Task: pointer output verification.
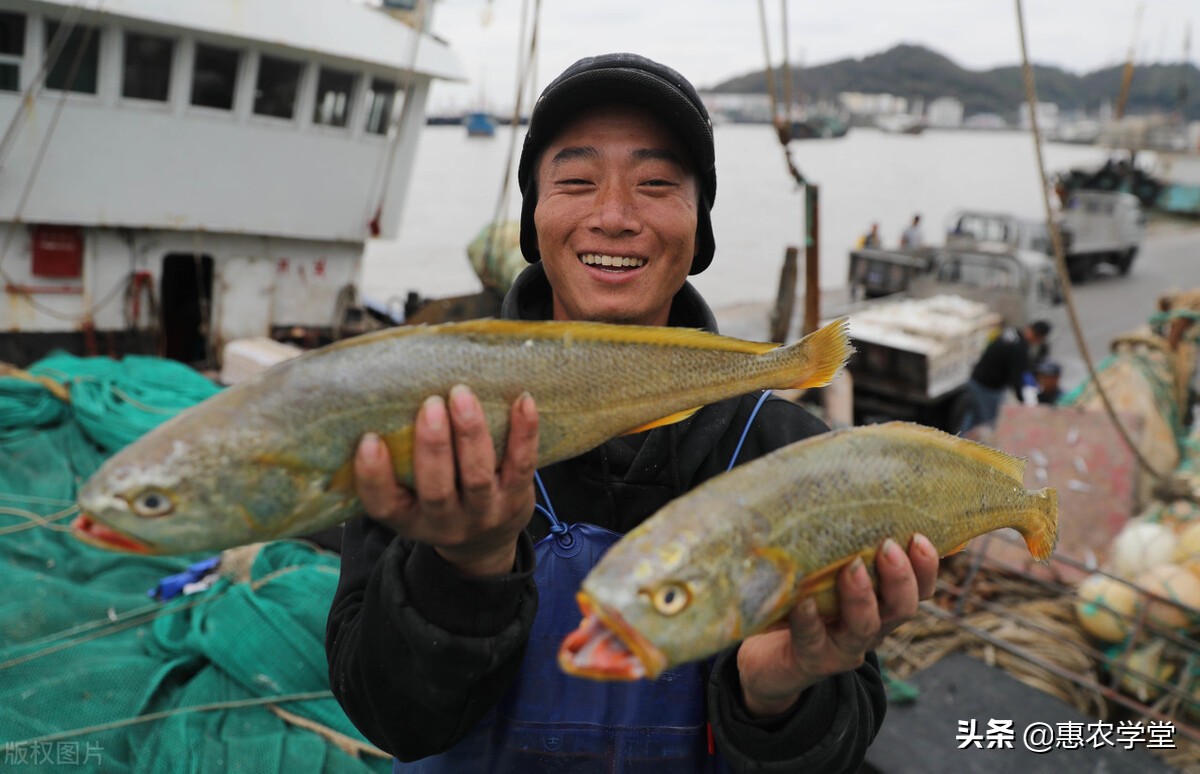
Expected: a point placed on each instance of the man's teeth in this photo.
(595, 259)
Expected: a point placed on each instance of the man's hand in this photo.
(463, 505)
(777, 666)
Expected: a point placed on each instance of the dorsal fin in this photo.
(568, 332)
(1013, 467)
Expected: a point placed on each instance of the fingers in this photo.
(434, 472)
(898, 589)
(859, 609)
(520, 455)
(473, 446)
(925, 561)
(382, 498)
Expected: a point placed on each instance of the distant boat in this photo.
(818, 126)
(899, 123)
(480, 124)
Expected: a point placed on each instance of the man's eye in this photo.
(574, 181)
(659, 182)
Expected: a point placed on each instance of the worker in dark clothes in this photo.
(1004, 363)
(1047, 373)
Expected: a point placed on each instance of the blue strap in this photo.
(556, 526)
(746, 430)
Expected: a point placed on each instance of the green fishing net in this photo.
(96, 676)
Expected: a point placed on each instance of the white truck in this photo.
(1101, 227)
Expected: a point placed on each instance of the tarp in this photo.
(97, 676)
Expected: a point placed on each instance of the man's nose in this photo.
(616, 210)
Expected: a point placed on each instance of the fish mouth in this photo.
(92, 532)
(605, 647)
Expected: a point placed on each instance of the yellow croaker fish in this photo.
(272, 457)
(730, 558)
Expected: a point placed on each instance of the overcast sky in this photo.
(711, 40)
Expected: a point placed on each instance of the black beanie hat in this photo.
(626, 79)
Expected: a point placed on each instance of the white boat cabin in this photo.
(195, 171)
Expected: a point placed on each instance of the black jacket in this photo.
(1005, 361)
(417, 653)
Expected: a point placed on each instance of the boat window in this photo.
(12, 50)
(381, 100)
(147, 67)
(75, 59)
(278, 83)
(215, 76)
(333, 97)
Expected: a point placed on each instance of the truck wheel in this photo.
(1126, 260)
(1080, 268)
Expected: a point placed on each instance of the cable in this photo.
(1060, 261)
(524, 81)
(402, 120)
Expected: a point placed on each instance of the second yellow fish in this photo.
(732, 556)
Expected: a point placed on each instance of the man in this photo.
(1048, 373)
(912, 237)
(871, 238)
(441, 597)
(1005, 362)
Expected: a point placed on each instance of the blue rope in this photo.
(556, 527)
(746, 430)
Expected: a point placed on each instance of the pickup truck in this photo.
(1096, 226)
(916, 349)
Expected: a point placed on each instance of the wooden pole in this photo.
(812, 259)
(785, 300)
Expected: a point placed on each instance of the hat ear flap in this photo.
(529, 240)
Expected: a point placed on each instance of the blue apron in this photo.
(549, 721)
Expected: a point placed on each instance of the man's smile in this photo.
(612, 261)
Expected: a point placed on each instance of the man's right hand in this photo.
(462, 504)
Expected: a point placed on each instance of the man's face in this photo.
(616, 217)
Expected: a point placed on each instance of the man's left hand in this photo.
(777, 666)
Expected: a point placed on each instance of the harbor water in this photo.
(867, 176)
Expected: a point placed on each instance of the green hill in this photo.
(914, 71)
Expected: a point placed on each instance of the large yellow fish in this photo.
(731, 557)
(272, 457)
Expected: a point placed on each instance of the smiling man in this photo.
(454, 596)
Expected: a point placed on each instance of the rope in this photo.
(401, 120)
(746, 430)
(49, 59)
(524, 81)
(783, 128)
(136, 618)
(1060, 261)
(153, 716)
(36, 520)
(39, 158)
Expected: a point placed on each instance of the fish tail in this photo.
(1040, 529)
(819, 355)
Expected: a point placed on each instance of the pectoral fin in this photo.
(400, 448)
(667, 420)
(821, 585)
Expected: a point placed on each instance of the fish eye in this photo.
(671, 598)
(152, 503)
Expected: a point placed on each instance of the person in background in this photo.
(871, 238)
(912, 236)
(449, 589)
(1048, 373)
(1004, 363)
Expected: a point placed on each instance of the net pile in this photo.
(84, 652)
